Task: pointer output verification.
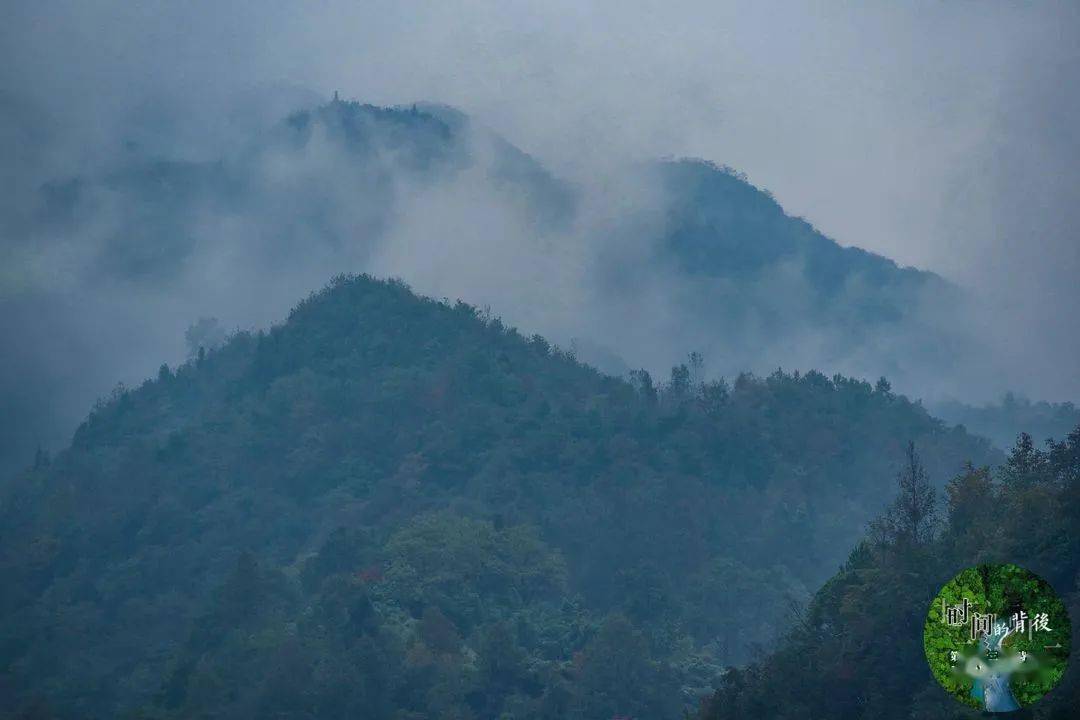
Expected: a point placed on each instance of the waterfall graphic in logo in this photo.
(997, 637)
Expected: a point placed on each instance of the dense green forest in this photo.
(394, 507)
(857, 650)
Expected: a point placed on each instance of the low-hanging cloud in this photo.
(936, 134)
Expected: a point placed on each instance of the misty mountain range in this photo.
(107, 268)
(545, 502)
(537, 361)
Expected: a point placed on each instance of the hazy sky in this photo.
(941, 134)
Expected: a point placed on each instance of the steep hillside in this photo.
(753, 287)
(722, 226)
(398, 505)
(857, 651)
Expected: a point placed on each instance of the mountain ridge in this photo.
(703, 259)
(363, 435)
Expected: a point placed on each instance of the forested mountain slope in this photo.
(403, 507)
(857, 652)
(150, 244)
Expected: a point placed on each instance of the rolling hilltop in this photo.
(404, 507)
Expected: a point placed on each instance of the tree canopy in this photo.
(398, 507)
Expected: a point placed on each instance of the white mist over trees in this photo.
(936, 136)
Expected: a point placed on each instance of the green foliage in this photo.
(940, 639)
(618, 679)
(393, 507)
(468, 569)
(856, 652)
(1005, 589)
